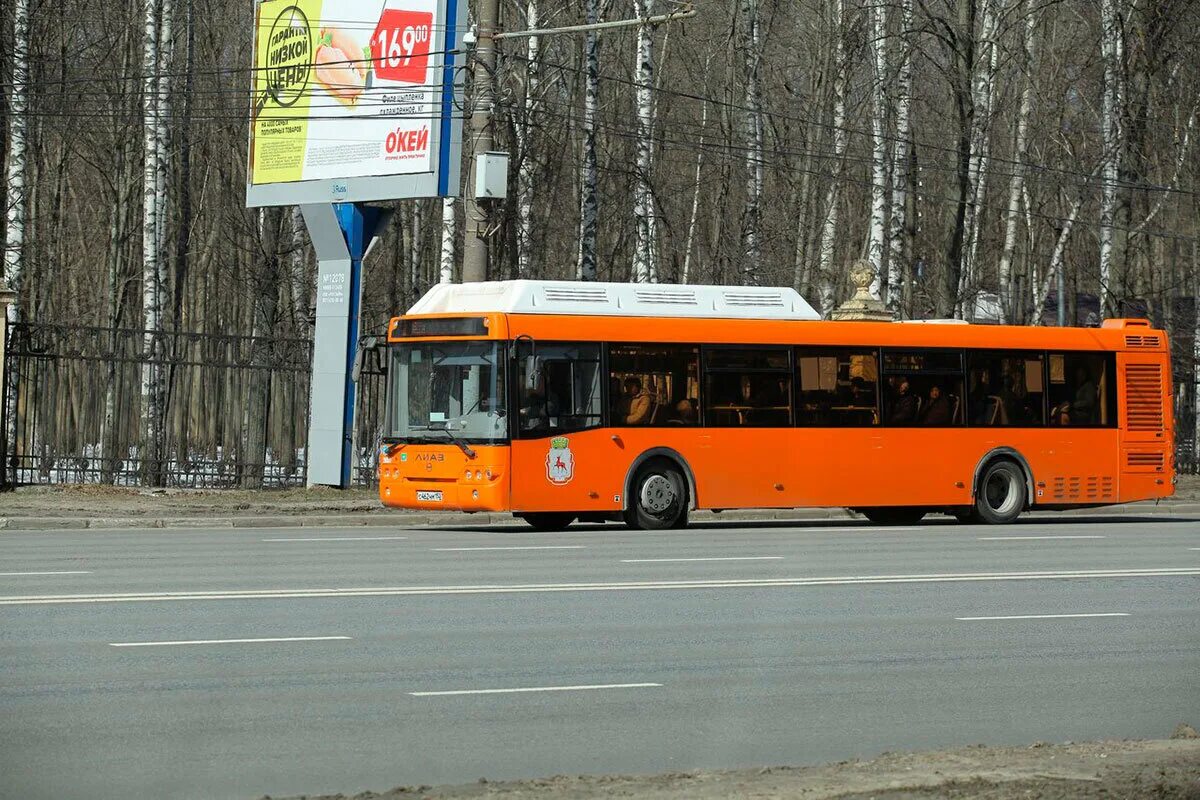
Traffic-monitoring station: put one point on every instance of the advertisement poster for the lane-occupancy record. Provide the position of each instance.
(345, 89)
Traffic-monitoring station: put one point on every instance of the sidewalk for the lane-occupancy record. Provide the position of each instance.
(89, 507)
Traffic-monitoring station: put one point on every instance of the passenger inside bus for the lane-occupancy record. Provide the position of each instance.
(938, 409)
(636, 404)
(905, 405)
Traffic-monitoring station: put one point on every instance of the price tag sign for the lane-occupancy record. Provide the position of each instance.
(400, 45)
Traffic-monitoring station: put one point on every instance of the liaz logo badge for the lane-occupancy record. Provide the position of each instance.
(560, 464)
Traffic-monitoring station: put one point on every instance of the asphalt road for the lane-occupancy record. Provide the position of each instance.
(722, 646)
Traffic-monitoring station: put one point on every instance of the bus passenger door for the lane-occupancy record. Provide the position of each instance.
(561, 459)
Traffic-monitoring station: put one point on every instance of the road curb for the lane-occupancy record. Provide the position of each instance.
(452, 519)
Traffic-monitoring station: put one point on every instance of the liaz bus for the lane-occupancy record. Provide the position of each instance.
(564, 401)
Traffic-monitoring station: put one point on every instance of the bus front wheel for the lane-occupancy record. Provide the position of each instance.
(659, 499)
(548, 520)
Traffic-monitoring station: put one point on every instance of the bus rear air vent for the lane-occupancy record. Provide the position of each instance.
(754, 299)
(1143, 397)
(573, 294)
(1142, 341)
(665, 296)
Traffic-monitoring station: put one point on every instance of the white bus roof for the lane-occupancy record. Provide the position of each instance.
(615, 299)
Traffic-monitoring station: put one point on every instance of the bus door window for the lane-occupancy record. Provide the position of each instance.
(652, 384)
(838, 388)
(1080, 390)
(748, 387)
(558, 388)
(1005, 389)
(923, 388)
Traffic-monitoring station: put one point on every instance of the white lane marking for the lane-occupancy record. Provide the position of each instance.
(1194, 548)
(532, 588)
(62, 572)
(581, 688)
(715, 558)
(1030, 538)
(232, 641)
(1043, 616)
(510, 547)
(338, 539)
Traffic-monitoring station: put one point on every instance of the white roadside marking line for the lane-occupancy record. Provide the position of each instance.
(512, 547)
(727, 583)
(339, 539)
(63, 572)
(1043, 616)
(1194, 548)
(232, 641)
(720, 558)
(581, 688)
(1030, 538)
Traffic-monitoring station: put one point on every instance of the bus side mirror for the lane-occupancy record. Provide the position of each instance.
(368, 344)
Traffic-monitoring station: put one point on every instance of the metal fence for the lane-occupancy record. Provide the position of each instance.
(234, 409)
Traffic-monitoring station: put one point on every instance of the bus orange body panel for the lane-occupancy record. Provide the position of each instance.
(588, 471)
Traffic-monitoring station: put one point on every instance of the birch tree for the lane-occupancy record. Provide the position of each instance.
(829, 229)
(983, 83)
(1016, 183)
(1112, 107)
(645, 225)
(588, 201)
(898, 238)
(18, 120)
(449, 239)
(753, 125)
(154, 200)
(877, 14)
(525, 175)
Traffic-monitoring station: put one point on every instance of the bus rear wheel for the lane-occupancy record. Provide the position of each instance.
(659, 499)
(548, 520)
(894, 515)
(1000, 496)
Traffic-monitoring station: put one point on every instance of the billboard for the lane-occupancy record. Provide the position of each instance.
(354, 100)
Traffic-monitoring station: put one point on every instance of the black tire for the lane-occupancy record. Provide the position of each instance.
(1001, 494)
(549, 520)
(894, 515)
(659, 497)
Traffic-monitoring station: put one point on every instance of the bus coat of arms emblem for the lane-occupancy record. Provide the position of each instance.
(560, 464)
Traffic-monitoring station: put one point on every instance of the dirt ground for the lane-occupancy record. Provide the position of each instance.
(1091, 771)
(90, 500)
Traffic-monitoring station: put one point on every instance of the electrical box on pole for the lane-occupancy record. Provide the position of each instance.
(491, 175)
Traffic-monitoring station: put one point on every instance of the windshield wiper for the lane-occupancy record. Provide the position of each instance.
(445, 428)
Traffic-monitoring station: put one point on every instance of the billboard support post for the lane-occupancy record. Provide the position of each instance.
(341, 234)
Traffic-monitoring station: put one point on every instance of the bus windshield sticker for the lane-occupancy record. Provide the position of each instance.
(560, 464)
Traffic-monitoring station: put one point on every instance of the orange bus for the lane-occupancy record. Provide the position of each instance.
(563, 401)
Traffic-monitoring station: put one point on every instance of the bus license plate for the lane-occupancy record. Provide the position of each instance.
(429, 497)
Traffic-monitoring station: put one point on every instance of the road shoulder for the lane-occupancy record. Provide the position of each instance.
(1143, 769)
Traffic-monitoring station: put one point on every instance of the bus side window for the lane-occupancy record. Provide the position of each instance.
(923, 388)
(748, 387)
(559, 390)
(838, 388)
(1080, 390)
(1005, 389)
(654, 384)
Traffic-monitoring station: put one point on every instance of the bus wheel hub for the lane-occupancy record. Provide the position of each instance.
(658, 494)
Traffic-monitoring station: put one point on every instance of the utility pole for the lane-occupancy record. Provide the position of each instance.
(483, 100)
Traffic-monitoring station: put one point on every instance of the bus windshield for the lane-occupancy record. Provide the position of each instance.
(454, 388)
